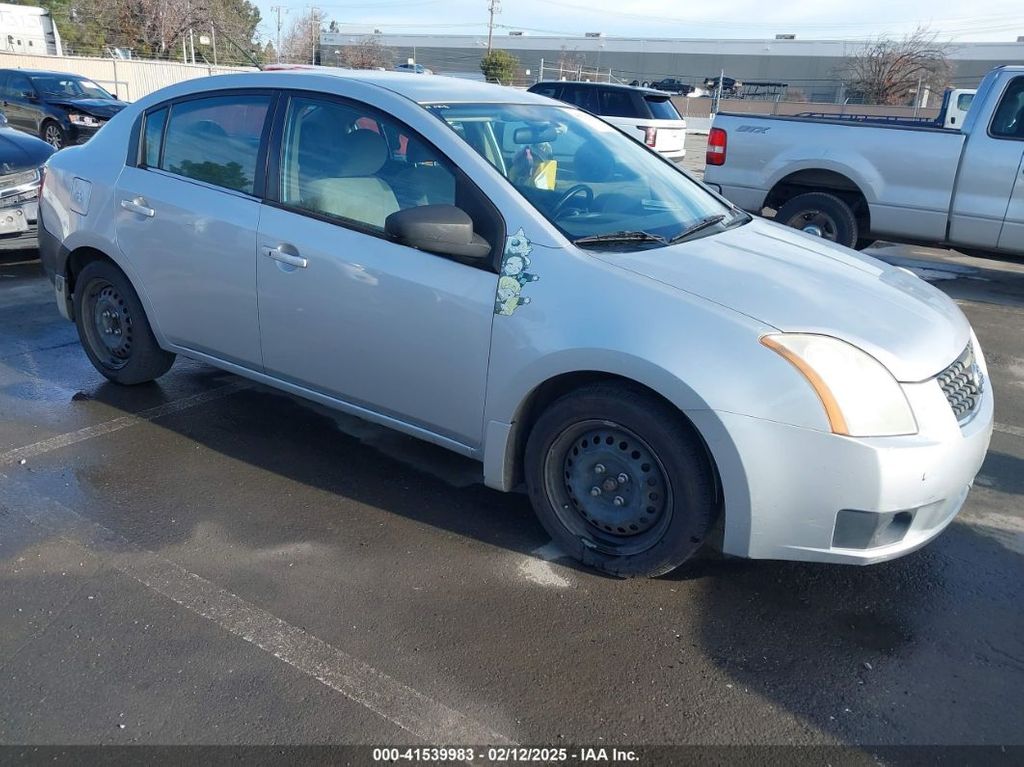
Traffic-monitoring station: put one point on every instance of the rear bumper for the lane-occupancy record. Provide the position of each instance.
(673, 154)
(800, 494)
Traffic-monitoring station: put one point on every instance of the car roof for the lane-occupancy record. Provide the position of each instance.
(42, 72)
(432, 89)
(613, 86)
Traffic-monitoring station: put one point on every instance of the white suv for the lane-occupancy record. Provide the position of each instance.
(647, 114)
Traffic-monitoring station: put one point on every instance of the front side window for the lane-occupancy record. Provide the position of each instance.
(585, 176)
(18, 86)
(216, 140)
(1008, 121)
(341, 162)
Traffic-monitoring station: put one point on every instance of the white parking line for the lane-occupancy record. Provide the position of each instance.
(89, 432)
(414, 712)
(1003, 428)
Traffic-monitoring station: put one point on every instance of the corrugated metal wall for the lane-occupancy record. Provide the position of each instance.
(130, 79)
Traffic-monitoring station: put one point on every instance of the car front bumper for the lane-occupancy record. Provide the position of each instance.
(80, 134)
(802, 494)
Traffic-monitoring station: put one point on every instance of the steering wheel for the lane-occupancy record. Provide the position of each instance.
(571, 192)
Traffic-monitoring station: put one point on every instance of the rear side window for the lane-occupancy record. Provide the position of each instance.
(662, 108)
(1008, 121)
(964, 101)
(582, 96)
(154, 134)
(216, 140)
(616, 103)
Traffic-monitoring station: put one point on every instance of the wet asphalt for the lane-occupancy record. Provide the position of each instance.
(233, 565)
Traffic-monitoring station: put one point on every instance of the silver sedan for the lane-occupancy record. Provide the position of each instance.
(518, 281)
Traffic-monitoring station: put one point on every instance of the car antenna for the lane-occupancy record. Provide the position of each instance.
(246, 53)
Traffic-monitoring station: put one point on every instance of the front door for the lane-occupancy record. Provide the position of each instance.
(21, 110)
(1008, 126)
(344, 311)
(186, 220)
(988, 174)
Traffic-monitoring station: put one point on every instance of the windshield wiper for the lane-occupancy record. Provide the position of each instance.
(701, 225)
(624, 236)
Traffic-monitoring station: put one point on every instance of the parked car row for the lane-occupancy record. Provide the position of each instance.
(513, 278)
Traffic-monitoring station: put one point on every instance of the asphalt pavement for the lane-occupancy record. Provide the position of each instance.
(204, 560)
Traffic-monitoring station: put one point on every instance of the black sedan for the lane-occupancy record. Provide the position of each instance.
(61, 108)
(21, 158)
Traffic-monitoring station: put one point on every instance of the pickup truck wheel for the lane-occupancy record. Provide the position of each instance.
(113, 328)
(821, 214)
(619, 480)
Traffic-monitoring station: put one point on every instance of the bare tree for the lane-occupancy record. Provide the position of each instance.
(889, 71)
(301, 44)
(369, 53)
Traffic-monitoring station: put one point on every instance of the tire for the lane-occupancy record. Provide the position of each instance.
(651, 499)
(646, 84)
(822, 214)
(53, 134)
(107, 307)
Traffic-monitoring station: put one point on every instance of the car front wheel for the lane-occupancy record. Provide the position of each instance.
(620, 480)
(113, 328)
(54, 135)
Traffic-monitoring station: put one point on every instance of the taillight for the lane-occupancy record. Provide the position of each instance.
(650, 135)
(716, 147)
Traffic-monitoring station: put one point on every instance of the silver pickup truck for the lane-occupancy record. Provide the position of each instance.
(854, 182)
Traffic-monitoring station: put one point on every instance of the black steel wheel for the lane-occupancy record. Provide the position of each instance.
(822, 215)
(113, 327)
(620, 480)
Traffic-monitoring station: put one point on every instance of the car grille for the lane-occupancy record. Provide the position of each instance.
(962, 383)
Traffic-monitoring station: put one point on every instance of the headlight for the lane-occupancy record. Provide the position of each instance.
(860, 396)
(88, 120)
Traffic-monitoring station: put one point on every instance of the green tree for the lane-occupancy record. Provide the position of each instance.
(499, 67)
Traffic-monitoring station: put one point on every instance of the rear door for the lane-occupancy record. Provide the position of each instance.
(987, 189)
(187, 216)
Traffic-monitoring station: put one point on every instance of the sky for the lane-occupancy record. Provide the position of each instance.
(985, 20)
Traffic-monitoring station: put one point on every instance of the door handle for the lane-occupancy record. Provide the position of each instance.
(280, 253)
(138, 205)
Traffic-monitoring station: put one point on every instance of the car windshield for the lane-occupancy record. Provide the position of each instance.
(597, 185)
(69, 87)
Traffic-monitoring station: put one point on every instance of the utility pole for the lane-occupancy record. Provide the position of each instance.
(314, 29)
(278, 9)
(493, 7)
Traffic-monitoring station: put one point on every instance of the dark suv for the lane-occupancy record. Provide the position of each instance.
(647, 115)
(672, 85)
(60, 108)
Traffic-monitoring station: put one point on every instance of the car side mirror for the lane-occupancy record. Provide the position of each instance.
(443, 229)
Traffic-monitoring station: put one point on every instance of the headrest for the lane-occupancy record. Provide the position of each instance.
(363, 153)
(417, 152)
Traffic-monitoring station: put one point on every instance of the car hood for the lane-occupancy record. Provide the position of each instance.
(105, 108)
(796, 282)
(19, 151)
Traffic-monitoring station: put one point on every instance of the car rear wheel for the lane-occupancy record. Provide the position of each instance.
(823, 215)
(620, 480)
(113, 328)
(53, 134)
